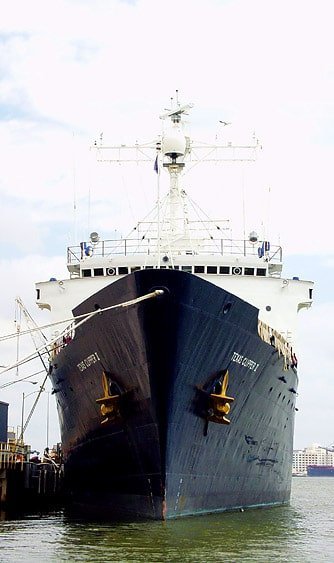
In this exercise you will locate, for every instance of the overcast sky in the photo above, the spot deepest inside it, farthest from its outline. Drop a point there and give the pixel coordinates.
(72, 69)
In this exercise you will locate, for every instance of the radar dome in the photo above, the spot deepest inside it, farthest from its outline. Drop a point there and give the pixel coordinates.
(174, 143)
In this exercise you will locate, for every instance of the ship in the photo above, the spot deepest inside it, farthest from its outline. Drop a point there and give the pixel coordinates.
(173, 360)
(320, 470)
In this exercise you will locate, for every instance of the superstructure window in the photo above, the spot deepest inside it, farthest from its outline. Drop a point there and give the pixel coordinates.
(86, 273)
(199, 269)
(98, 272)
(148, 267)
(186, 269)
(123, 270)
(249, 271)
(224, 269)
(135, 268)
(260, 271)
(211, 269)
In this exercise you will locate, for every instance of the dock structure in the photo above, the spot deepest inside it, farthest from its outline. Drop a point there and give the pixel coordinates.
(26, 482)
(13, 458)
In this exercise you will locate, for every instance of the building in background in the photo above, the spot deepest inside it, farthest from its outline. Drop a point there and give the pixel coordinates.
(313, 455)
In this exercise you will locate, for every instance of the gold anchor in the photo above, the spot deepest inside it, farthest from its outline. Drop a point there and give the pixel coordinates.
(109, 404)
(219, 404)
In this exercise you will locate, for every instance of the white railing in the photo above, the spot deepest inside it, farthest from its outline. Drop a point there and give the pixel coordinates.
(203, 246)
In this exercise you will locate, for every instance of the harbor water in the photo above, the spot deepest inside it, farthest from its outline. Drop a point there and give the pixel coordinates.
(300, 532)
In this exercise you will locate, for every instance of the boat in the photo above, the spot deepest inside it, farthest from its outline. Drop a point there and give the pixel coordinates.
(320, 470)
(173, 361)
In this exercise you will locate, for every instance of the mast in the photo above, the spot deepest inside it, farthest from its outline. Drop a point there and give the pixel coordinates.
(174, 148)
(171, 151)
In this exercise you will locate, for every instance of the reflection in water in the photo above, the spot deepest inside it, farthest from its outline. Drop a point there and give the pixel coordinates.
(300, 532)
(206, 538)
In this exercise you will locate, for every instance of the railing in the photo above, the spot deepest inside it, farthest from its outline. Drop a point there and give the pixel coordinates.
(145, 247)
(65, 338)
(280, 341)
(12, 455)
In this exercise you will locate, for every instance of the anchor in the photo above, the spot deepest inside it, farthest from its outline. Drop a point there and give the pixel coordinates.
(109, 404)
(219, 403)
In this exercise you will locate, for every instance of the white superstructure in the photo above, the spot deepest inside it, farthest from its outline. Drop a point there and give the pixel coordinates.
(177, 235)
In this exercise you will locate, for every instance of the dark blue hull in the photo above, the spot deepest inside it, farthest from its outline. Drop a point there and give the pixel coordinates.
(153, 451)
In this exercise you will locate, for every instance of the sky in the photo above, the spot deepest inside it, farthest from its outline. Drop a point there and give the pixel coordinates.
(73, 69)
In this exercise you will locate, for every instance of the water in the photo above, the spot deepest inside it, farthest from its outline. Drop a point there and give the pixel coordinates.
(302, 532)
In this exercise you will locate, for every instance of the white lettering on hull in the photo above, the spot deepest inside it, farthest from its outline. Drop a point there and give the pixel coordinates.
(244, 361)
(89, 361)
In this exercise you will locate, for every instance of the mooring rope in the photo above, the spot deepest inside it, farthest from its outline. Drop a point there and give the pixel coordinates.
(84, 318)
(68, 320)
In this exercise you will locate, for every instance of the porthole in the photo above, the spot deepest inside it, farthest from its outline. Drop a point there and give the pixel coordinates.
(236, 271)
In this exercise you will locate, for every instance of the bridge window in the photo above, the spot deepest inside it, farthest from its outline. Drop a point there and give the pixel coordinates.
(86, 273)
(123, 270)
(224, 269)
(199, 269)
(249, 271)
(186, 269)
(98, 271)
(135, 268)
(211, 269)
(260, 271)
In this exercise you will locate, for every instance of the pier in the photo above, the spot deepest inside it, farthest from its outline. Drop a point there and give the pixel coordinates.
(25, 482)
